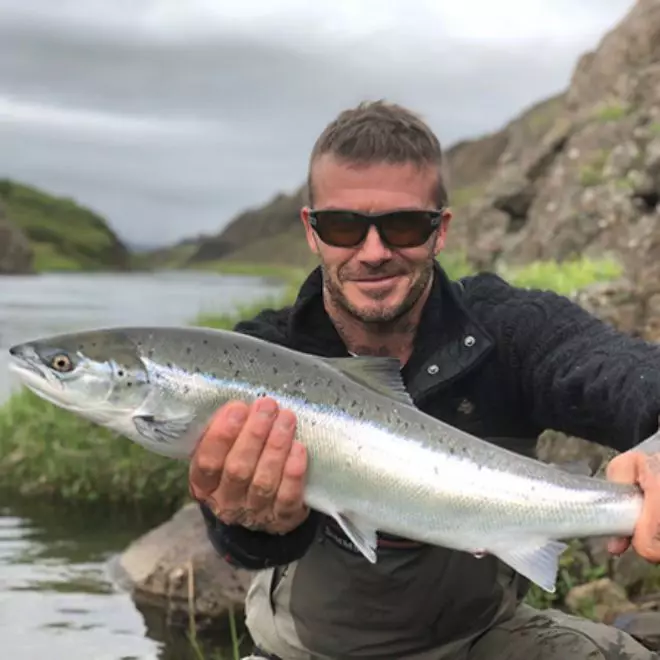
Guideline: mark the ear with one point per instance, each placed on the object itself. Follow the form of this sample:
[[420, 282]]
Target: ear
[[309, 232], [441, 236]]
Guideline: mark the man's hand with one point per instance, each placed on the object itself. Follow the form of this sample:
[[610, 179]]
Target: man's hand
[[248, 469], [634, 467]]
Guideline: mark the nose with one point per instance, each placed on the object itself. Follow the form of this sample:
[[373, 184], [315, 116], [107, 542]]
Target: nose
[[15, 350], [373, 250]]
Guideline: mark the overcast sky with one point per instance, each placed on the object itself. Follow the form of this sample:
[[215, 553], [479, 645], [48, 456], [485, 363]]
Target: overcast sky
[[169, 116]]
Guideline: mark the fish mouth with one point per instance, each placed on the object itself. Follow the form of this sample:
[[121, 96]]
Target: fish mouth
[[26, 364]]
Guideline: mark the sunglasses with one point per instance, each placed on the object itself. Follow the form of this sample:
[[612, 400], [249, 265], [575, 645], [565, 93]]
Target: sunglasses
[[404, 228]]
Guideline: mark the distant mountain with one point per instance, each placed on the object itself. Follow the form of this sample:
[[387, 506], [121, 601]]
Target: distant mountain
[[62, 234]]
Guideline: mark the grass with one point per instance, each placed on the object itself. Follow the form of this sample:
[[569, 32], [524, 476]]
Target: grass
[[275, 271], [565, 277], [612, 112]]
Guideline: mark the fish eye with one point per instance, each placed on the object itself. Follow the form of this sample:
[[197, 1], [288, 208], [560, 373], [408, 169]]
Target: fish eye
[[61, 362]]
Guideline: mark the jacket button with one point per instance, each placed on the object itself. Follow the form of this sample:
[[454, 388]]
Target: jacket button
[[469, 341], [433, 369]]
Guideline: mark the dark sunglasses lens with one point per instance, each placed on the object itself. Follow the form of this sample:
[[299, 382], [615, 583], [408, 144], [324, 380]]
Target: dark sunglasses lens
[[339, 228], [407, 228]]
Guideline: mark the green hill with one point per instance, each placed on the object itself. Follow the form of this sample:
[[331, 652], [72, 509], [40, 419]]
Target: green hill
[[63, 234]]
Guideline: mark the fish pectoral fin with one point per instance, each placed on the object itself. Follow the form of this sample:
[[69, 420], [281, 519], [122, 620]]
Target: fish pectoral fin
[[360, 532], [162, 429], [380, 374], [537, 561]]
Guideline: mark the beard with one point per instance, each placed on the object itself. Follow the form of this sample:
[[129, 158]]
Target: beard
[[379, 317]]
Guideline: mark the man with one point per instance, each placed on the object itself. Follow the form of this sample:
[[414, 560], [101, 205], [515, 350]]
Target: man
[[500, 362]]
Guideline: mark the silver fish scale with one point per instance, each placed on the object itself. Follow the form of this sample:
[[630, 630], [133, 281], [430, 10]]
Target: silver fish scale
[[430, 480]]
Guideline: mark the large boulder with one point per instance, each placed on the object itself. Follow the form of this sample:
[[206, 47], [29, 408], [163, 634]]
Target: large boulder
[[175, 567]]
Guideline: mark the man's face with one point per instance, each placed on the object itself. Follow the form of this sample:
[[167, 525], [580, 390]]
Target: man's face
[[373, 282]]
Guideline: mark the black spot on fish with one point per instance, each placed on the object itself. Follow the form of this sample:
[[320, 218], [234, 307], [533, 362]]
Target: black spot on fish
[[189, 350], [230, 364], [226, 352], [186, 389], [169, 365], [129, 384], [406, 425], [298, 383], [150, 352], [275, 370], [354, 403], [377, 408], [251, 360], [237, 347], [205, 342], [237, 373], [120, 373]]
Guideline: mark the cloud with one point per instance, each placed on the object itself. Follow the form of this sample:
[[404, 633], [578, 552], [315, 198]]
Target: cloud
[[169, 117]]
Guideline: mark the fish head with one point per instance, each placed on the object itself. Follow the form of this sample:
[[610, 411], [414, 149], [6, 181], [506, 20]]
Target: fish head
[[97, 374]]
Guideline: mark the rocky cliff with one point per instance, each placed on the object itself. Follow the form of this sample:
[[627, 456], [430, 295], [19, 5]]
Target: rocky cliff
[[62, 234], [15, 251]]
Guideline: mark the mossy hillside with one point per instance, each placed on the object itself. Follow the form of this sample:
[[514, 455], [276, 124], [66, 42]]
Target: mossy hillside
[[65, 236]]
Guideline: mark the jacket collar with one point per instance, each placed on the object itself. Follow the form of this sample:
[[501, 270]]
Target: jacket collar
[[449, 342]]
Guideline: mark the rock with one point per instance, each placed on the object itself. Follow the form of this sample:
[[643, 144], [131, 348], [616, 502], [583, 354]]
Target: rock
[[643, 626], [602, 600], [15, 251], [160, 567]]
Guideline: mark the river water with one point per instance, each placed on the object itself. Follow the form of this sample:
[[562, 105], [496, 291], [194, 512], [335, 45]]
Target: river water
[[56, 598]]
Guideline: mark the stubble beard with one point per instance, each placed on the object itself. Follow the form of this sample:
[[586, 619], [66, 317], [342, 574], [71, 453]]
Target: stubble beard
[[380, 319]]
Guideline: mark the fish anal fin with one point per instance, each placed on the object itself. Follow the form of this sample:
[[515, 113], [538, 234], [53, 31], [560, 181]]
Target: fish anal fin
[[380, 374], [362, 534], [538, 561]]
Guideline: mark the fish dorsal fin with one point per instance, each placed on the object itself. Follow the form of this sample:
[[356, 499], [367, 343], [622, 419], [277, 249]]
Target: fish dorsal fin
[[380, 374]]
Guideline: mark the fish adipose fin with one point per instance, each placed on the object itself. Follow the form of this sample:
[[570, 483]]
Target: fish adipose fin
[[162, 430], [538, 562], [380, 374], [360, 532]]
